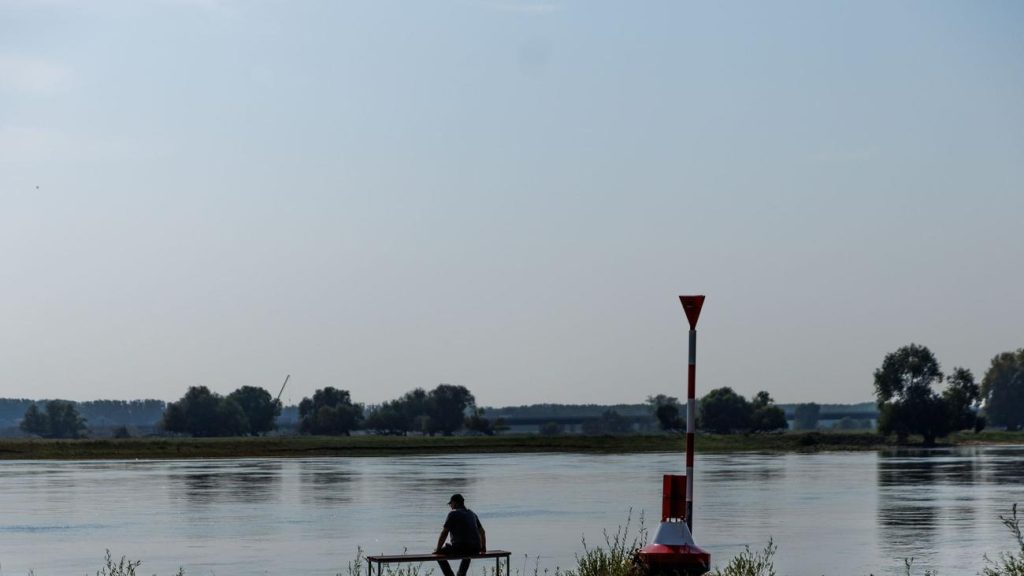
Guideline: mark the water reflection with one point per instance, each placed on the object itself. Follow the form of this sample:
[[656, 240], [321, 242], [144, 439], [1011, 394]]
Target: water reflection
[[759, 468], [922, 491], [325, 483], [436, 478], [237, 482], [907, 515], [1007, 467]]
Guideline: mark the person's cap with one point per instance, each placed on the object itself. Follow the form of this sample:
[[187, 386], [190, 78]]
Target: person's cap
[[456, 499]]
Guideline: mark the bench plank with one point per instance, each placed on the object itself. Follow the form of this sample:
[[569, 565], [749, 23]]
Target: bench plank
[[380, 560], [396, 558]]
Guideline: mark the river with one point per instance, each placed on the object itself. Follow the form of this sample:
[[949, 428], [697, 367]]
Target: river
[[829, 513]]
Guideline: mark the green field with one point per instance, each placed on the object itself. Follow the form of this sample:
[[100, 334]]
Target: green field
[[303, 446]]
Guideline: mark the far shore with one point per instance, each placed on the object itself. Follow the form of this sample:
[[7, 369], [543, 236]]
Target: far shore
[[310, 446]]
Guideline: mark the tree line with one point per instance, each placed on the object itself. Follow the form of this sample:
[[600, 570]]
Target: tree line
[[252, 411], [330, 411], [722, 411], [909, 404], [904, 387], [907, 400], [97, 412]]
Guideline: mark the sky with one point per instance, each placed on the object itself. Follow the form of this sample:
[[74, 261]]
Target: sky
[[506, 195]]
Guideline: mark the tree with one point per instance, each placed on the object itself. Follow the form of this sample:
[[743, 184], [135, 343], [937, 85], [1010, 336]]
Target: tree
[[64, 420], [203, 413], [329, 412], [261, 411], [610, 422], [403, 415], [668, 417], [666, 410], [906, 402], [477, 422], [1002, 388], [723, 411], [231, 419], [961, 397], [35, 422], [61, 420], [415, 405], [765, 415], [446, 406], [805, 416], [388, 419]]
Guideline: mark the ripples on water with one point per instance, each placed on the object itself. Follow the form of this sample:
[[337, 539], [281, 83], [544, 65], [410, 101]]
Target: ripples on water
[[832, 513]]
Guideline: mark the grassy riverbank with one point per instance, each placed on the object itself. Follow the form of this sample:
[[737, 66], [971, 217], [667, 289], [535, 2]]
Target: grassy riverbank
[[615, 557], [304, 446]]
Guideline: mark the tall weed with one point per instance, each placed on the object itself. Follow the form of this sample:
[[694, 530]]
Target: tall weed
[[749, 563], [615, 558], [908, 566], [124, 567], [1008, 563], [357, 567]]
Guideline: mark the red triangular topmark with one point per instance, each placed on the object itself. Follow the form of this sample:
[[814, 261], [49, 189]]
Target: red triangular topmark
[[692, 305]]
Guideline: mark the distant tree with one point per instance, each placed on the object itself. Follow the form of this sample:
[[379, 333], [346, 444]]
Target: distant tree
[[122, 432], [1002, 388], [112, 413], [61, 420], [65, 421], [610, 422], [961, 397], [410, 413], [35, 422], [477, 422], [723, 411], [203, 413], [447, 406], [388, 419], [173, 419], [907, 403], [231, 419], [260, 409], [666, 410], [414, 406], [765, 415], [668, 417], [329, 413], [551, 429]]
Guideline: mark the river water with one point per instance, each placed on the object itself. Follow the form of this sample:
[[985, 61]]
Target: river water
[[830, 513]]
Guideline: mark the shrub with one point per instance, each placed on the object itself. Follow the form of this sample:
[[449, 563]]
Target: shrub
[[749, 563], [124, 567], [615, 558]]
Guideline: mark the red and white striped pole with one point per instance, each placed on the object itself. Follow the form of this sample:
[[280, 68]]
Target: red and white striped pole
[[673, 550], [692, 306]]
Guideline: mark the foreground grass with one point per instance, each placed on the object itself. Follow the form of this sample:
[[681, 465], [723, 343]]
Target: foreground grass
[[305, 446], [616, 558]]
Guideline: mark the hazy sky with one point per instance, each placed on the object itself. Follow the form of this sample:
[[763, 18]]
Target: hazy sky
[[505, 195]]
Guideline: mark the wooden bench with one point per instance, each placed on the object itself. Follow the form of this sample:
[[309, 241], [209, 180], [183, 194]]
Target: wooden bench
[[408, 558]]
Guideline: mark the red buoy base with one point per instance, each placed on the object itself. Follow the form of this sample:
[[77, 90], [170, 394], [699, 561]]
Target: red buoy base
[[673, 552]]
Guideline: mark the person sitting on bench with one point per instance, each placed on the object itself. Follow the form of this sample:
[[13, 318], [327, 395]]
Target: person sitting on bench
[[468, 536]]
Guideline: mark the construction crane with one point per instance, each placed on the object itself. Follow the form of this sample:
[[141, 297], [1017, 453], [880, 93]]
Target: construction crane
[[278, 399]]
